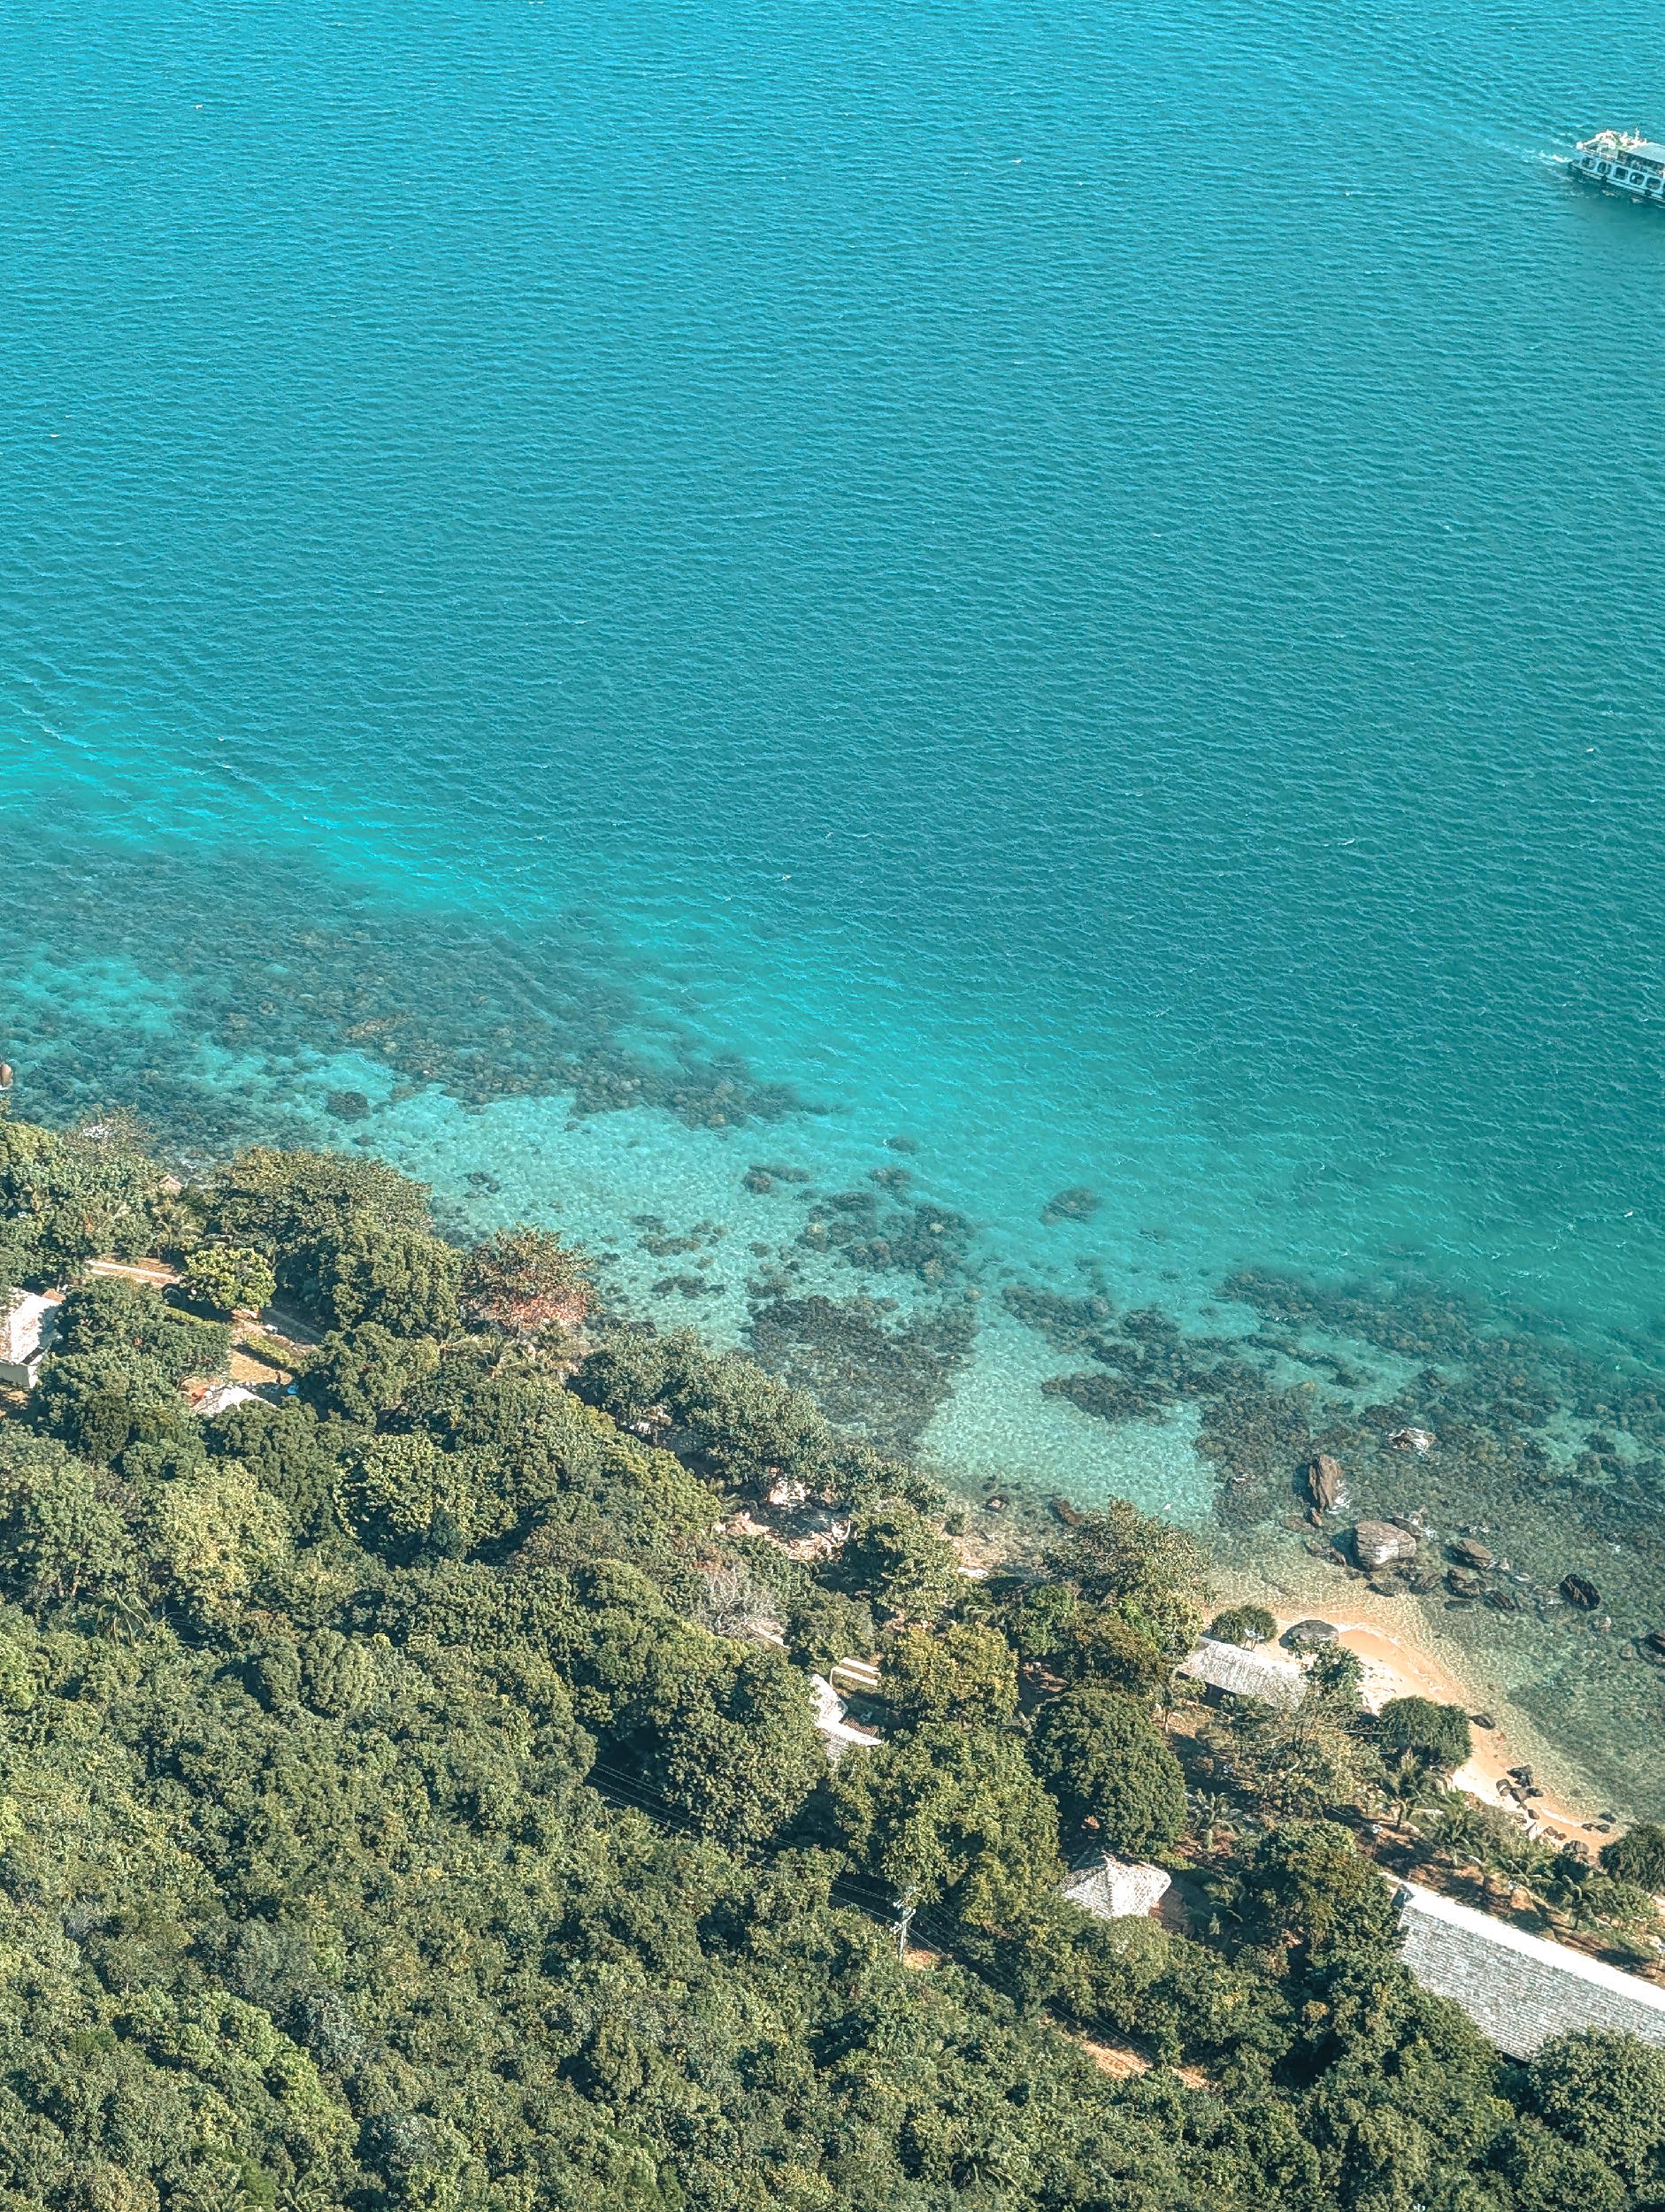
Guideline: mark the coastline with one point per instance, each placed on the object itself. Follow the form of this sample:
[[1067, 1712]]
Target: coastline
[[1397, 1665], [837, 1298], [1404, 1654]]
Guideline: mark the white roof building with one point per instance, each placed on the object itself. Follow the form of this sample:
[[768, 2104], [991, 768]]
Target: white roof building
[[1113, 1889], [1519, 1989], [27, 1329], [1237, 1673], [837, 1732], [221, 1397]]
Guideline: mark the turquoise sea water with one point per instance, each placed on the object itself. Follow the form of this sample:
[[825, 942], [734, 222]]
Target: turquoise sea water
[[1074, 586]]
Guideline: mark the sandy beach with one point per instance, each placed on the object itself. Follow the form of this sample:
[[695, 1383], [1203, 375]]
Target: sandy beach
[[1397, 1665]]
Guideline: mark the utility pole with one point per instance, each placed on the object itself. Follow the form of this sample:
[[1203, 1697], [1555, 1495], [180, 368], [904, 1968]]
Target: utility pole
[[904, 1921]]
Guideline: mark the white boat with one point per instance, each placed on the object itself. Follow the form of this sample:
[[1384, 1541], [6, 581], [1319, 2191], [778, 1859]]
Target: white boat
[[1623, 162]]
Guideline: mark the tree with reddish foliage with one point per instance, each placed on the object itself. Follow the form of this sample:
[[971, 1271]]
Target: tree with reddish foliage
[[525, 1280]]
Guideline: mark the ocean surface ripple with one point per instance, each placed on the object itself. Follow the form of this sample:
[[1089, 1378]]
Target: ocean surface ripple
[[1072, 587]]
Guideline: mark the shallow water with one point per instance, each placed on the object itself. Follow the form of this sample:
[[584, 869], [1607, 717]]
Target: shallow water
[[1071, 589]]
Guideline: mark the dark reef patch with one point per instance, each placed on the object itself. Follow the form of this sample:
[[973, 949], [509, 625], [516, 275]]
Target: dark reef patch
[[761, 1180], [281, 966], [931, 1243], [1074, 1325], [1147, 1362], [660, 1242], [1076, 1203], [880, 1377]]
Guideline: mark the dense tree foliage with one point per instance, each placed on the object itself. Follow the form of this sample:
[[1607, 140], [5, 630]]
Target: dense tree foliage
[[411, 1794], [968, 1673], [526, 1280], [951, 1817], [66, 1199], [1149, 1571], [121, 1357], [109, 1314], [1606, 2093], [1438, 1734], [228, 1277], [1638, 1856], [894, 1555], [1308, 1888], [1105, 1763]]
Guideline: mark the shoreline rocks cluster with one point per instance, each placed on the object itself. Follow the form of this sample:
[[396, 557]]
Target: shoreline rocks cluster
[[1387, 1550]]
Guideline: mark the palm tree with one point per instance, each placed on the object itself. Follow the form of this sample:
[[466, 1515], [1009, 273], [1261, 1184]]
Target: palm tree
[[1496, 1860], [1413, 1788], [1211, 1812], [1376, 1802], [1571, 1890], [1530, 1862], [1228, 1914], [1452, 1826]]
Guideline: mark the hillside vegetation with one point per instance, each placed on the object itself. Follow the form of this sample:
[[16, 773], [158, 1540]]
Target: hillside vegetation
[[411, 1795]]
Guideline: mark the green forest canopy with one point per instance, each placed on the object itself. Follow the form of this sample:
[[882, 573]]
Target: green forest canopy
[[323, 1723]]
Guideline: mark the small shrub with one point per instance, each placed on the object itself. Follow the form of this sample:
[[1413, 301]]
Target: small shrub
[[1243, 1624]]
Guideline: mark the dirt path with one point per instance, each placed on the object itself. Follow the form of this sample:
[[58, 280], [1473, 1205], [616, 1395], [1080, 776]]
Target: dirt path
[[157, 1273], [1122, 2063]]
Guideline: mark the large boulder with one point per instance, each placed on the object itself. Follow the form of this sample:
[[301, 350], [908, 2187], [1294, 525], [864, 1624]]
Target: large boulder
[[1308, 1635], [1323, 1482], [1379, 1544], [1468, 1553], [1580, 1590]]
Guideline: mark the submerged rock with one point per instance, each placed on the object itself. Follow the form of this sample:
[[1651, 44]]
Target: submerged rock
[[1410, 1439], [1078, 1204], [930, 1242], [1468, 1553], [1324, 1480], [1579, 1591]]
